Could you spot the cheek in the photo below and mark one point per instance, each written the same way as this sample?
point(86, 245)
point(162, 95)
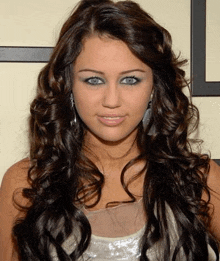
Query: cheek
point(84, 103)
point(139, 103)
point(82, 106)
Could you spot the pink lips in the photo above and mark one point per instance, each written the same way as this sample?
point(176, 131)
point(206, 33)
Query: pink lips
point(111, 120)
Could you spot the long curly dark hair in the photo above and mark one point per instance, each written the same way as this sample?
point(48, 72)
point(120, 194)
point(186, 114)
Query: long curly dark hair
point(62, 177)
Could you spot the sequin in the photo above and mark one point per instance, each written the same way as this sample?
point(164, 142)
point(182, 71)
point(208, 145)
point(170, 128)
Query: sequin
point(125, 248)
point(104, 248)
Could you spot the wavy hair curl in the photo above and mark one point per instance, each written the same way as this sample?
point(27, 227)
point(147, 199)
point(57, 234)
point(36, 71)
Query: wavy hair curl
point(61, 176)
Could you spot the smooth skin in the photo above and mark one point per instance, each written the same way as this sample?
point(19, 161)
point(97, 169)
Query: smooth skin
point(111, 85)
point(111, 91)
point(110, 81)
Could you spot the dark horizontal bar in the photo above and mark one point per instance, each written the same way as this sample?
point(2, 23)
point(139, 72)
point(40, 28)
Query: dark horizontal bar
point(217, 161)
point(203, 88)
point(25, 54)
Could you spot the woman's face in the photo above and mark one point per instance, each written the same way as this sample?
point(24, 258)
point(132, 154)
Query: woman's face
point(111, 89)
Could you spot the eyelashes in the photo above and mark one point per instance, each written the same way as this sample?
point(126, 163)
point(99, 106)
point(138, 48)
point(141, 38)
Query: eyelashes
point(94, 80)
point(128, 80)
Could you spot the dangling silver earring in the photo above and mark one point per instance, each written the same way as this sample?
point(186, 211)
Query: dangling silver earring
point(71, 100)
point(147, 115)
point(73, 106)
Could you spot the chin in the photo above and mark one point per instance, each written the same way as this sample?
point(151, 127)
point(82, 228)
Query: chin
point(115, 138)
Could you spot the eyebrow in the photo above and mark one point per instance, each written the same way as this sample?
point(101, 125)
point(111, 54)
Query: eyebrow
point(124, 72)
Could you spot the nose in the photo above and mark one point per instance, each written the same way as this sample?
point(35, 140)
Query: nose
point(111, 97)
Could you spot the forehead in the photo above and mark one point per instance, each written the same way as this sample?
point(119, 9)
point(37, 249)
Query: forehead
point(103, 52)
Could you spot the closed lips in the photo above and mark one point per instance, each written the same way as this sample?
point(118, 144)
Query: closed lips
point(111, 117)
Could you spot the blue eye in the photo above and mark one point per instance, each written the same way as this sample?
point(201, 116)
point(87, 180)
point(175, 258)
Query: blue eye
point(130, 80)
point(94, 81)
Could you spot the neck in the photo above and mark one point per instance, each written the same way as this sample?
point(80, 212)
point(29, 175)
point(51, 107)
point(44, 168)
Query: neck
point(108, 155)
point(110, 158)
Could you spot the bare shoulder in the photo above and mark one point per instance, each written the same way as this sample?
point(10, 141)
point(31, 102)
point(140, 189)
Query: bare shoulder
point(214, 173)
point(17, 173)
point(213, 182)
point(14, 180)
point(16, 177)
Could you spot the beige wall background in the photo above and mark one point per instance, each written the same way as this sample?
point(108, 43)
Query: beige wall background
point(37, 23)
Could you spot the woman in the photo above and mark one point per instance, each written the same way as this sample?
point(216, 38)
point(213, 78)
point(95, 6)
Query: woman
point(111, 174)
